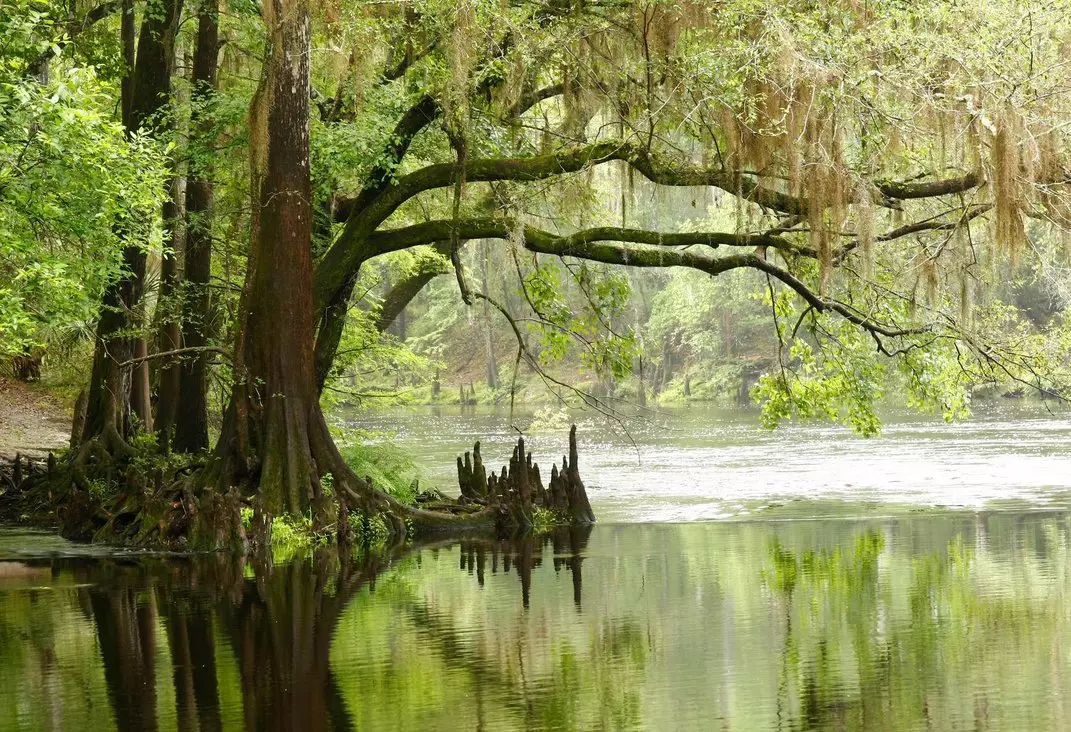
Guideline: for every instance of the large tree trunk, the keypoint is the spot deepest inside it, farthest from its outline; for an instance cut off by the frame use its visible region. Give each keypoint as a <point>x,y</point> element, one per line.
<point>276,413</point>
<point>275,437</point>
<point>191,418</point>
<point>112,391</point>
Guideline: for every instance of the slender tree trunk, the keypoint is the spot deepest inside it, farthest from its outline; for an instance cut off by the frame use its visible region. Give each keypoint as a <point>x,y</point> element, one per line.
<point>145,93</point>
<point>488,340</point>
<point>169,336</point>
<point>191,418</point>
<point>641,393</point>
<point>140,383</point>
<point>329,333</point>
<point>168,309</point>
<point>127,36</point>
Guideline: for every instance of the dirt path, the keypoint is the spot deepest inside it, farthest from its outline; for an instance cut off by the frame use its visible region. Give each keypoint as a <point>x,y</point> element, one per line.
<point>31,423</point>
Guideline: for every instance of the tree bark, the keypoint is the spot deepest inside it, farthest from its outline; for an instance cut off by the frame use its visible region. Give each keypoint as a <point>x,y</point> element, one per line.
<point>169,337</point>
<point>276,413</point>
<point>145,94</point>
<point>191,419</point>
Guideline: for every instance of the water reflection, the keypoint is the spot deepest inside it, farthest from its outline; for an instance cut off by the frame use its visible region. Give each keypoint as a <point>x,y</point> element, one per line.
<point>948,622</point>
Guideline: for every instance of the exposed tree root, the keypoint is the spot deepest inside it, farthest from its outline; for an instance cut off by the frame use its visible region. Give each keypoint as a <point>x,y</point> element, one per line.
<point>108,491</point>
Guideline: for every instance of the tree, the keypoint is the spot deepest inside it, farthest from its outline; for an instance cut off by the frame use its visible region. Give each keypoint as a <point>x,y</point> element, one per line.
<point>872,230</point>
<point>277,420</point>
<point>112,389</point>
<point>191,424</point>
<point>809,183</point>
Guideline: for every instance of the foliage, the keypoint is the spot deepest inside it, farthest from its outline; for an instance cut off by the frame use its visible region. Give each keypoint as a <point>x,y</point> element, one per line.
<point>74,189</point>
<point>389,468</point>
<point>550,419</point>
<point>876,196</point>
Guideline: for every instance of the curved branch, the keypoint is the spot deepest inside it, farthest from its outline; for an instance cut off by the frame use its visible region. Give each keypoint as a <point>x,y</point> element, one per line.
<point>633,249</point>
<point>391,240</point>
<point>425,111</point>
<point>406,62</point>
<point>345,254</point>
<point>533,97</point>
<point>932,224</point>
<point>179,352</point>
<point>402,293</point>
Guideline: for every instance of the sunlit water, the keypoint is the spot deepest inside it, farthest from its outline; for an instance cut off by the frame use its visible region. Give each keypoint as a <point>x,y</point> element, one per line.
<point>885,613</point>
<point>704,464</point>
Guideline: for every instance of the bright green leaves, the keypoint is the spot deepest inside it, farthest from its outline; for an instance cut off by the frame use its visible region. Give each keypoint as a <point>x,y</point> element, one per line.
<point>937,380</point>
<point>543,288</point>
<point>588,312</point>
<point>832,369</point>
<point>838,376</point>
<point>74,189</point>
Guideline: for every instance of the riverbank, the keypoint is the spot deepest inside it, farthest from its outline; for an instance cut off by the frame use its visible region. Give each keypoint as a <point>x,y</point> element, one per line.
<point>33,422</point>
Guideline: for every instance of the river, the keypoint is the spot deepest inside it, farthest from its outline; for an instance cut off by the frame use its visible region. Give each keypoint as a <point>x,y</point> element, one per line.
<point>921,580</point>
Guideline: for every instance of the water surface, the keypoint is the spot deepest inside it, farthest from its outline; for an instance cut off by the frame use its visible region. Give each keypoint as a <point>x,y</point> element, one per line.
<point>917,581</point>
<point>941,622</point>
<point>704,463</point>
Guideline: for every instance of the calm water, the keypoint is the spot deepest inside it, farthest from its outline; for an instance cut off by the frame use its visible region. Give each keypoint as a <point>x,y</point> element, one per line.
<point>883,614</point>
<point>709,464</point>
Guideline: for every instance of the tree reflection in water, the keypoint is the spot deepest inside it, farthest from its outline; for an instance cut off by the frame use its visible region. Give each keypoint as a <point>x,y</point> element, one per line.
<point>947,622</point>
<point>279,620</point>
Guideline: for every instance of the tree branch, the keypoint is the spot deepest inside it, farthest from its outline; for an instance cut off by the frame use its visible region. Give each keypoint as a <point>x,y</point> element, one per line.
<point>531,98</point>
<point>902,190</point>
<point>638,253</point>
<point>179,352</point>
<point>933,224</point>
<point>425,111</point>
<point>391,240</point>
<point>402,293</point>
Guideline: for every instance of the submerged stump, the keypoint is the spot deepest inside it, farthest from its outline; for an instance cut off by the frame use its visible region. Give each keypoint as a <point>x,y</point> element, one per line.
<point>517,492</point>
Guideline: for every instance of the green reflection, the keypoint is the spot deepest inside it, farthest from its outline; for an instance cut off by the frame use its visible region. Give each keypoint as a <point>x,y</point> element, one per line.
<point>945,622</point>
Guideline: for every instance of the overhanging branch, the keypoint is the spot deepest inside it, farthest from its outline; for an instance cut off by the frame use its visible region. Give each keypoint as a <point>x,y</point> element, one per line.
<point>391,240</point>
<point>633,248</point>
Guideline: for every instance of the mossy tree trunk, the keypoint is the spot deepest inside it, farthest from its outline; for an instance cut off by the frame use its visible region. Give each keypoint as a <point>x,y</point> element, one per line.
<point>276,412</point>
